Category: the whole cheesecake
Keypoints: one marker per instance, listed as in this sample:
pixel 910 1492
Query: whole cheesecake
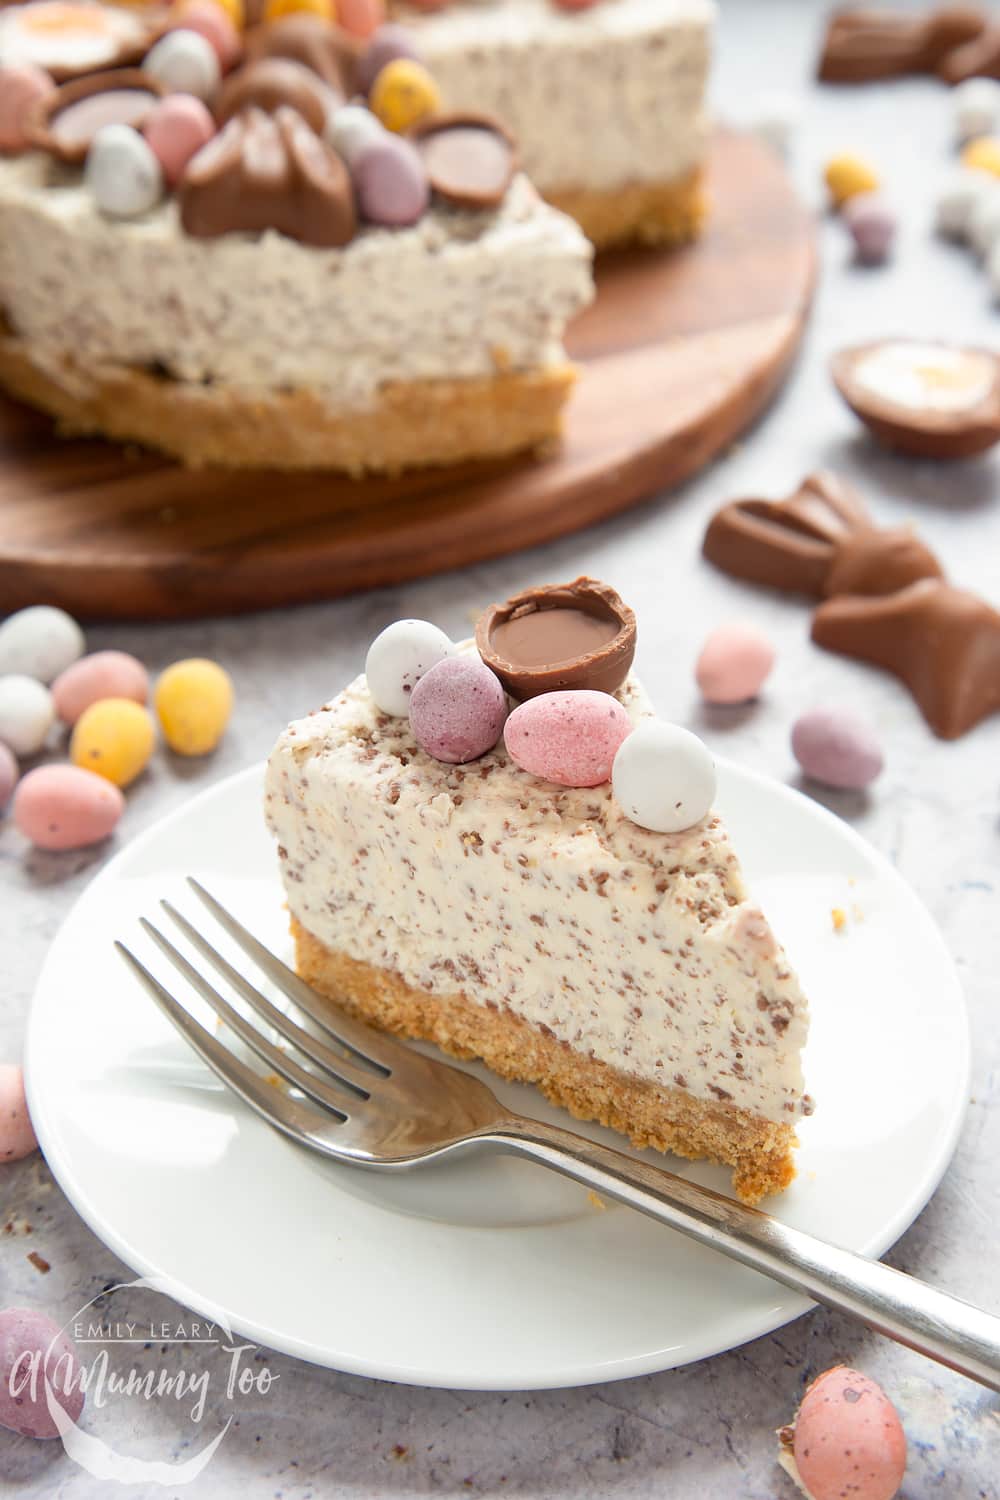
pixel 626 972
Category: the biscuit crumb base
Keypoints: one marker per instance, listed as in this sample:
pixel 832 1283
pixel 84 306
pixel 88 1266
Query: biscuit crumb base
pixel 642 213
pixel 668 1119
pixel 410 424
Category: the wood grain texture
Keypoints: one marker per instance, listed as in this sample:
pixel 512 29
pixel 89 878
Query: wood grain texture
pixel 680 352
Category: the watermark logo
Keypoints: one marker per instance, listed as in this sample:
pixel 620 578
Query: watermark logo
pixel 106 1370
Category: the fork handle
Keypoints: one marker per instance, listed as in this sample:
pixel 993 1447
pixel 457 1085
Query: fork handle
pixel 953 1332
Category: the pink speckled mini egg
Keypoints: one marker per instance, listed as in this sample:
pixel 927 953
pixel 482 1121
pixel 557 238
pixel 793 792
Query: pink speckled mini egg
pixel 66 807
pixel 733 664
pixel 849 1440
pixel 211 22
pixel 103 674
pixel 17 1136
pixel 570 738
pixel 457 710
pixel 176 129
pixel 30 1340
pixel 22 85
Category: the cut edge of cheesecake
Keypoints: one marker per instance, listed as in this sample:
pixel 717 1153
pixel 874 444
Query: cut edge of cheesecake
pixel 758 1151
pixel 643 213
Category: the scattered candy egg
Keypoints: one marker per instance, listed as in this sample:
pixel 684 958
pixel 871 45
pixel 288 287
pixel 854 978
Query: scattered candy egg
pixel 733 664
pixel 983 228
pixel 114 738
pixel 457 710
pixel 569 737
pixel 976 108
pixel 176 129
pixel 30 1339
pixel 955 199
pixel 846 175
pixel 389 43
pixel 21 86
pixel 871 222
pixel 186 63
pixel 216 25
pixel 390 181
pixel 837 747
pixel 235 10
pixel 122 172
pixel 65 807
pixel 663 777
pixel 275 9
pixel 17 1135
pixel 350 129
pixel 849 1439
pixel 39 642
pixel 403 93
pixel 8 775
pixel 360 17
pixel 104 674
pixel 773 119
pixel 398 658
pixel 983 154
pixel 26 714
pixel 193 701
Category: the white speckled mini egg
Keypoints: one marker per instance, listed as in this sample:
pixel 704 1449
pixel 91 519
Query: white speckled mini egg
pixel 976 108
pixel 398 658
pixel 849 1440
pixel 26 714
pixel 185 62
pixel 39 642
pixel 955 198
pixel 663 777
pixel 122 172
pixel 351 129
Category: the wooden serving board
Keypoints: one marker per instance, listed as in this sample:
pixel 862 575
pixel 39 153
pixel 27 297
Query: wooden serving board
pixel 679 353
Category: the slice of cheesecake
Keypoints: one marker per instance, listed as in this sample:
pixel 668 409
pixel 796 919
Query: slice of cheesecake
pixel 625 972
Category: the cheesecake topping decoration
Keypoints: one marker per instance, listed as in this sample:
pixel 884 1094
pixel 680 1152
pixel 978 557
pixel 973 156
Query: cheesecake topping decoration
pixel 932 400
pixel 65 121
pixel 557 636
pixel 470 160
pixel 69 38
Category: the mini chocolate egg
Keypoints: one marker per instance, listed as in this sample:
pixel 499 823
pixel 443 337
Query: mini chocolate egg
pixel 398 658
pixel 389 43
pixel 176 129
pixel 113 737
pixel 403 93
pixel 733 664
pixel 351 129
pixel 193 701
pixel 955 199
pixel 39 642
pixel 29 1339
pixel 976 108
pixel 21 87
pixel 275 9
pixel 846 175
pixel 26 714
pixel 570 738
pixel 64 807
pixel 122 172
pixel 390 181
pixel 17 1136
pixel 983 228
pixel 872 223
pixel 849 1439
pixel 663 777
pixel 836 747
pixel 185 62
pixel 103 674
pixel 8 775
pixel 360 17
pixel 213 23
pixel 983 154
pixel 774 118
pixel 457 710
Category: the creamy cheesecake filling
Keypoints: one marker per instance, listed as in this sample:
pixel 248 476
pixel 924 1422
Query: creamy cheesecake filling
pixel 639 949
pixel 598 99
pixel 460 295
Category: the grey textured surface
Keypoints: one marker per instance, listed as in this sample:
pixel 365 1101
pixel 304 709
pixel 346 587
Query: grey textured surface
pixel 708 1427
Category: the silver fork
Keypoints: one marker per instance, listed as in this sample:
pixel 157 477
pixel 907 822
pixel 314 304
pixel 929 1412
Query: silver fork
pixel 372 1102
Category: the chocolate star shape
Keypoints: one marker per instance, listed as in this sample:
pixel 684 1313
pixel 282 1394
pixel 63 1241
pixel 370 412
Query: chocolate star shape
pixel 866 44
pixel 942 642
pixel 820 541
pixel 268 172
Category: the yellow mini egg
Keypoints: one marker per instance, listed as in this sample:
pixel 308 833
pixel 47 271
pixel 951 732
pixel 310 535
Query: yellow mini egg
pixel 193 701
pixel 848 175
pixel 275 9
pixel 983 155
pixel 234 9
pixel 403 93
pixel 115 738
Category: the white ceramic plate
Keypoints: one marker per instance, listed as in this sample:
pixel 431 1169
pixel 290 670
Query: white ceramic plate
pixel 487 1274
